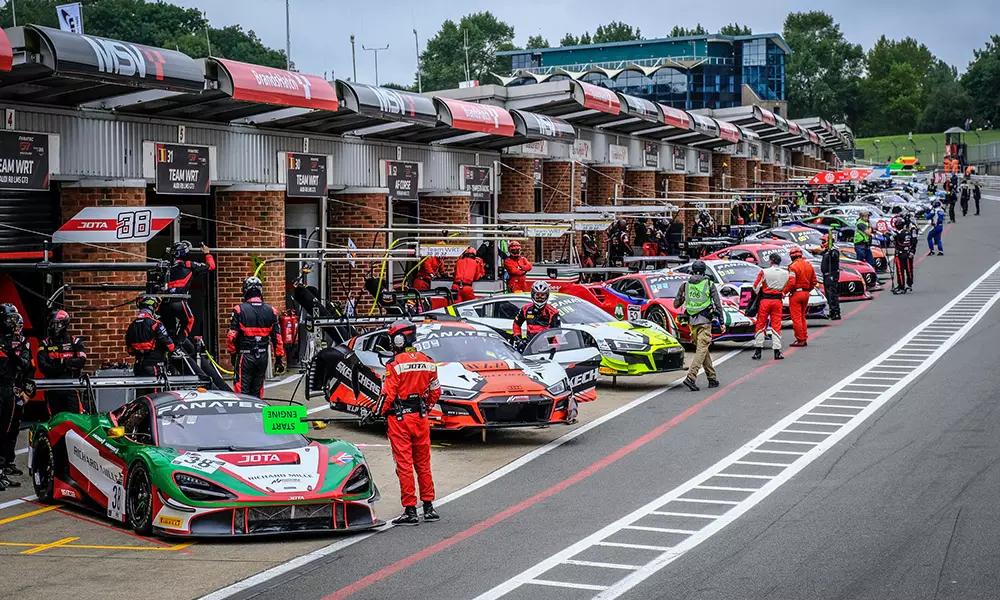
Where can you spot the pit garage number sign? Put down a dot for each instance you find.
(114, 225)
(307, 175)
(403, 179)
(182, 169)
(24, 161)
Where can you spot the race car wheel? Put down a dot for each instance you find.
(139, 499)
(659, 316)
(43, 469)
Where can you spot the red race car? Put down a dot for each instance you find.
(651, 296)
(811, 240)
(852, 285)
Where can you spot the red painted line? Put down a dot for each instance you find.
(112, 528)
(610, 459)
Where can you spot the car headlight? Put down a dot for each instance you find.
(197, 488)
(358, 481)
(559, 388)
(628, 346)
(603, 345)
(457, 393)
(675, 350)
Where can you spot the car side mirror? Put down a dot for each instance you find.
(114, 433)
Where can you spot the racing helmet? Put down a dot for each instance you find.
(150, 303)
(253, 287)
(775, 259)
(10, 319)
(698, 267)
(936, 204)
(540, 293)
(180, 249)
(58, 323)
(795, 252)
(402, 335)
(622, 225)
(514, 248)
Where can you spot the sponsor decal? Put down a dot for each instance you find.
(121, 58)
(182, 169)
(306, 175)
(172, 522)
(634, 312)
(584, 378)
(199, 462)
(64, 492)
(617, 155)
(24, 161)
(651, 154)
(115, 225)
(100, 472)
(478, 181)
(342, 458)
(518, 398)
(619, 312)
(213, 406)
(402, 179)
(581, 150)
(244, 459)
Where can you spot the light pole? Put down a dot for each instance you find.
(875, 143)
(288, 37)
(354, 59)
(376, 51)
(416, 44)
(894, 148)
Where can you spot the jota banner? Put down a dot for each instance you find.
(115, 225)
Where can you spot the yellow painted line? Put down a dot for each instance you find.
(50, 546)
(180, 546)
(19, 544)
(27, 514)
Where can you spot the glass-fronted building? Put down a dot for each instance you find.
(706, 71)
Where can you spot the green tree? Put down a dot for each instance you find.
(155, 24)
(400, 87)
(569, 40)
(735, 29)
(616, 31)
(982, 83)
(443, 61)
(948, 105)
(823, 70)
(537, 42)
(679, 31)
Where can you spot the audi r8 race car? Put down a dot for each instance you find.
(651, 296)
(736, 278)
(485, 383)
(197, 463)
(632, 347)
(852, 285)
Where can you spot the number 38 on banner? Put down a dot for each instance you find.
(95, 225)
(134, 224)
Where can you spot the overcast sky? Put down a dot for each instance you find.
(321, 29)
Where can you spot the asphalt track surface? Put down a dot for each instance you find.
(901, 507)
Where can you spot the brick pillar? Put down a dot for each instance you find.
(738, 166)
(364, 208)
(556, 199)
(249, 216)
(517, 192)
(721, 165)
(829, 158)
(755, 173)
(102, 330)
(640, 183)
(676, 186)
(601, 182)
(798, 161)
(447, 207)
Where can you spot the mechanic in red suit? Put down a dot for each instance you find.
(801, 281)
(252, 327)
(536, 317)
(175, 313)
(409, 390)
(429, 268)
(517, 268)
(469, 269)
(770, 285)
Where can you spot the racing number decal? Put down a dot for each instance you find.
(198, 462)
(116, 503)
(745, 296)
(134, 224)
(634, 312)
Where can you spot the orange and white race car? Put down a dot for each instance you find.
(485, 383)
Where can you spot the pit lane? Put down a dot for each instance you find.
(91, 554)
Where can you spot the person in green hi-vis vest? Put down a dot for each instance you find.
(702, 306)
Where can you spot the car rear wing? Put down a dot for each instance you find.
(105, 391)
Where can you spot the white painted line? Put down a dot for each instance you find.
(909, 360)
(722, 488)
(563, 584)
(879, 378)
(819, 414)
(17, 501)
(661, 529)
(917, 353)
(808, 432)
(705, 501)
(874, 385)
(600, 565)
(305, 559)
(774, 441)
(635, 546)
(773, 483)
(807, 423)
(667, 513)
(787, 451)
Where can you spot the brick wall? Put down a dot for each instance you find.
(601, 182)
(248, 218)
(102, 330)
(676, 186)
(446, 209)
(721, 164)
(556, 199)
(362, 210)
(798, 161)
(517, 192)
(640, 183)
(755, 173)
(738, 167)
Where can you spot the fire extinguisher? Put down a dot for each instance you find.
(289, 323)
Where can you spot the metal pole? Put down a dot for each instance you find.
(288, 37)
(376, 51)
(208, 41)
(13, 12)
(322, 244)
(572, 200)
(420, 81)
(354, 59)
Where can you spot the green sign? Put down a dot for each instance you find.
(284, 420)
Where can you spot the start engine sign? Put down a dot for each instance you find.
(133, 224)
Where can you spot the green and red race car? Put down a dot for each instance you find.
(198, 463)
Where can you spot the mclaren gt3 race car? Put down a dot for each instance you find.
(196, 463)
(633, 347)
(485, 383)
(651, 296)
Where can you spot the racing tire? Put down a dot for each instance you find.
(660, 317)
(43, 469)
(139, 499)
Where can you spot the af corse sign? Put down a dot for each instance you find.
(182, 169)
(24, 161)
(402, 179)
(307, 175)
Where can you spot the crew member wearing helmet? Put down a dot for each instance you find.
(62, 356)
(700, 298)
(589, 253)
(536, 317)
(770, 285)
(517, 268)
(410, 388)
(429, 268)
(704, 226)
(936, 217)
(176, 313)
(254, 325)
(618, 244)
(16, 367)
(468, 269)
(801, 281)
(830, 266)
(147, 340)
(863, 238)
(905, 247)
